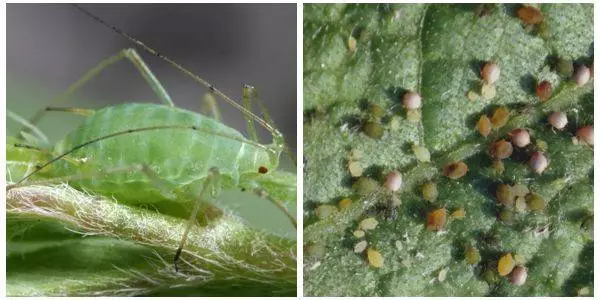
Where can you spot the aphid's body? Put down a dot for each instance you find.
(179, 156)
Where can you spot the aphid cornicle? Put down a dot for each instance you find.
(172, 154)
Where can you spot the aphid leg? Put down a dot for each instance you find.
(74, 110)
(261, 192)
(265, 113)
(163, 185)
(132, 56)
(247, 96)
(210, 188)
(210, 106)
(40, 136)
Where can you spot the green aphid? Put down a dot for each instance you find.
(365, 185)
(535, 202)
(145, 153)
(373, 130)
(564, 67)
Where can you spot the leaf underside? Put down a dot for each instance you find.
(438, 50)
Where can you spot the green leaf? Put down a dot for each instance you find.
(437, 51)
(65, 242)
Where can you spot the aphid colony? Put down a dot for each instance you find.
(516, 198)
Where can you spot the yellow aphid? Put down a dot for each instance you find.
(488, 91)
(351, 43)
(344, 203)
(355, 168)
(506, 264)
(535, 202)
(413, 115)
(421, 153)
(484, 126)
(360, 246)
(375, 258)
(316, 250)
(521, 204)
(500, 117)
(472, 95)
(429, 191)
(498, 166)
(323, 211)
(368, 224)
(442, 274)
(459, 214)
(358, 233)
(472, 255)
(355, 154)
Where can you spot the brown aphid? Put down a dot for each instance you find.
(455, 170)
(518, 276)
(500, 149)
(586, 134)
(544, 90)
(490, 72)
(520, 137)
(484, 126)
(436, 220)
(530, 15)
(500, 117)
(538, 162)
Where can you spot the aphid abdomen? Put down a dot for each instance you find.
(180, 156)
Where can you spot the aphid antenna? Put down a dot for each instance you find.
(276, 134)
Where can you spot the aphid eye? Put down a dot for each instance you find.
(490, 72)
(558, 120)
(262, 170)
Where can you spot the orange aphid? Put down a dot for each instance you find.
(455, 170)
(436, 220)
